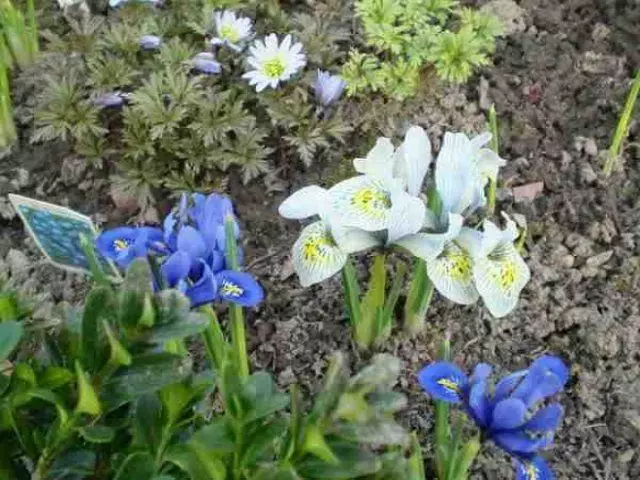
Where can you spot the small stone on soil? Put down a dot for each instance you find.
(18, 262)
(528, 192)
(600, 259)
(511, 15)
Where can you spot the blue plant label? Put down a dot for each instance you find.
(57, 232)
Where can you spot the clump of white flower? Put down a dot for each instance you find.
(384, 206)
(273, 62)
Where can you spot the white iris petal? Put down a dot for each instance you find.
(406, 217)
(412, 161)
(363, 202)
(452, 275)
(316, 255)
(379, 161)
(305, 203)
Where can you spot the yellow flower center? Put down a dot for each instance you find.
(532, 472)
(459, 265)
(372, 201)
(229, 33)
(508, 275)
(273, 68)
(231, 290)
(119, 245)
(316, 248)
(448, 384)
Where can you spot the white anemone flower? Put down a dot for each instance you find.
(274, 62)
(499, 271)
(231, 30)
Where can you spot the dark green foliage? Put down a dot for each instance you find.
(402, 37)
(112, 394)
(179, 129)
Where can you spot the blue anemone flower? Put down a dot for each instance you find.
(515, 416)
(124, 244)
(239, 287)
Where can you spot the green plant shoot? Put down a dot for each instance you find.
(622, 129)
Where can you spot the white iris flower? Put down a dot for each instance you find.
(499, 271)
(274, 62)
(231, 30)
(373, 209)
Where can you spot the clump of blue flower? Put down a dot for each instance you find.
(191, 248)
(516, 415)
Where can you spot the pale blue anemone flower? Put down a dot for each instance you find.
(205, 62)
(150, 42)
(119, 3)
(499, 271)
(232, 30)
(328, 88)
(373, 209)
(110, 100)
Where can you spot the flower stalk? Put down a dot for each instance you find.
(495, 146)
(236, 316)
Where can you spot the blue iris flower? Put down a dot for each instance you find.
(192, 246)
(124, 244)
(516, 416)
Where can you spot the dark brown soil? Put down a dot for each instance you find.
(558, 87)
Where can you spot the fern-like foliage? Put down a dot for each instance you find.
(402, 37)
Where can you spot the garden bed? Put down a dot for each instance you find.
(558, 83)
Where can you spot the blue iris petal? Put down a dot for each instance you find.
(204, 289)
(239, 287)
(190, 240)
(535, 469)
(443, 381)
(118, 244)
(176, 267)
(546, 419)
(217, 260)
(479, 403)
(169, 226)
(517, 442)
(509, 414)
(508, 384)
(546, 377)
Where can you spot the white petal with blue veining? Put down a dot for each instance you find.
(315, 254)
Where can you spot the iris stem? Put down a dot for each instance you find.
(418, 299)
(236, 316)
(495, 146)
(443, 451)
(623, 126)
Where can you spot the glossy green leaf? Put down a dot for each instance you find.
(196, 462)
(52, 398)
(118, 354)
(262, 397)
(372, 305)
(171, 307)
(316, 444)
(192, 324)
(146, 374)
(10, 335)
(97, 433)
(135, 288)
(9, 309)
(217, 437)
(98, 305)
(87, 399)
(334, 384)
(352, 462)
(262, 443)
(55, 377)
(137, 466)
(378, 431)
(74, 464)
(175, 399)
(149, 422)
